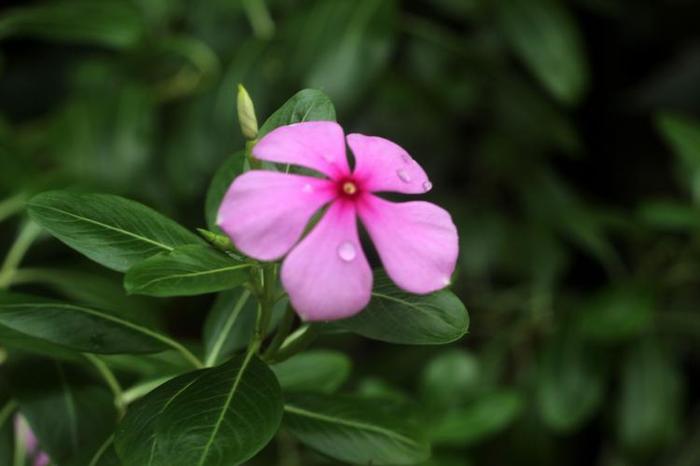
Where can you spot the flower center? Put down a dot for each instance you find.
(349, 188)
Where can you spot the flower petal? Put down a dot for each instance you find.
(383, 166)
(327, 275)
(319, 145)
(416, 241)
(265, 212)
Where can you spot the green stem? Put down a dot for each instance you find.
(265, 294)
(111, 381)
(259, 17)
(186, 354)
(295, 343)
(213, 356)
(12, 205)
(27, 234)
(101, 451)
(137, 391)
(6, 411)
(282, 332)
(20, 449)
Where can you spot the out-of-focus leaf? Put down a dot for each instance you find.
(110, 230)
(70, 415)
(320, 371)
(670, 215)
(395, 316)
(186, 270)
(75, 327)
(617, 313)
(224, 176)
(356, 430)
(683, 135)
(485, 416)
(214, 417)
(450, 378)
(360, 41)
(111, 23)
(546, 38)
(305, 105)
(569, 383)
(649, 410)
(7, 428)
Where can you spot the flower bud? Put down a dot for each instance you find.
(246, 114)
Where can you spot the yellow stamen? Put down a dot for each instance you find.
(349, 188)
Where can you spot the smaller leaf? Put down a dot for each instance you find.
(396, 316)
(356, 430)
(305, 105)
(320, 371)
(186, 271)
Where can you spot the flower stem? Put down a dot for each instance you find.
(295, 343)
(111, 381)
(12, 205)
(266, 297)
(282, 332)
(27, 234)
(213, 355)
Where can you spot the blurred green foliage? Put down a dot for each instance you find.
(563, 136)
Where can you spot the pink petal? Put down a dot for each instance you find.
(42, 459)
(23, 430)
(327, 275)
(416, 241)
(319, 145)
(383, 166)
(265, 212)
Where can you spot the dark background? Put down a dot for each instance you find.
(562, 136)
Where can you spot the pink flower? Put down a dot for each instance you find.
(326, 274)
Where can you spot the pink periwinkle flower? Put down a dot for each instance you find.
(326, 274)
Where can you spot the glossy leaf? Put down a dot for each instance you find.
(545, 37)
(395, 316)
(110, 23)
(356, 430)
(212, 417)
(186, 270)
(70, 414)
(224, 176)
(76, 327)
(305, 105)
(484, 417)
(110, 230)
(320, 371)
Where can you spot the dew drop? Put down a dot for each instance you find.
(403, 175)
(307, 188)
(346, 251)
(427, 186)
(446, 281)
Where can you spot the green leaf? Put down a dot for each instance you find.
(650, 405)
(570, 383)
(185, 271)
(70, 415)
(395, 316)
(7, 428)
(212, 417)
(110, 23)
(545, 37)
(320, 371)
(618, 313)
(450, 378)
(224, 176)
(683, 135)
(484, 417)
(356, 430)
(110, 230)
(305, 105)
(670, 216)
(76, 327)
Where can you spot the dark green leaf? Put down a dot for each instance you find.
(305, 105)
(546, 38)
(321, 371)
(110, 230)
(110, 23)
(214, 417)
(224, 176)
(483, 417)
(683, 135)
(395, 316)
(186, 270)
(356, 430)
(670, 215)
(76, 327)
(71, 416)
(617, 313)
(570, 383)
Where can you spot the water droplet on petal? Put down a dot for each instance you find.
(403, 175)
(427, 186)
(307, 188)
(446, 281)
(346, 251)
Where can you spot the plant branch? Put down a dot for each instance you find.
(111, 381)
(27, 234)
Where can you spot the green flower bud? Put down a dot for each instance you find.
(246, 114)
